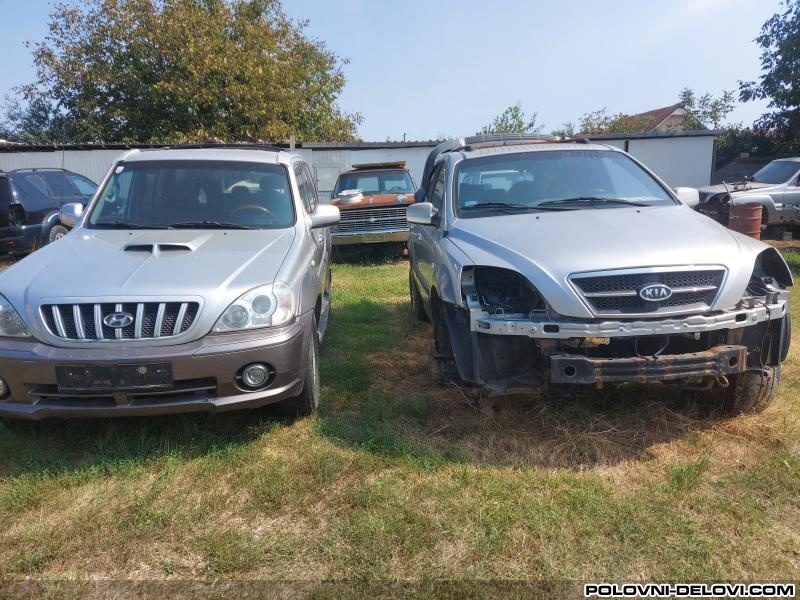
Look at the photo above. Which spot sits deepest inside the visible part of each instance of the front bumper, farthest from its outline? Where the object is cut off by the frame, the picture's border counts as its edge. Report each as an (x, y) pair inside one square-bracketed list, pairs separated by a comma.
[(714, 362), (377, 237), (204, 375), (482, 322)]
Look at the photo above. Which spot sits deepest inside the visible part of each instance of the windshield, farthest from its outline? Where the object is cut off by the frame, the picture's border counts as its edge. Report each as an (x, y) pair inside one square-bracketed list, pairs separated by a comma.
[(778, 171), (554, 180), (376, 182), (195, 194)]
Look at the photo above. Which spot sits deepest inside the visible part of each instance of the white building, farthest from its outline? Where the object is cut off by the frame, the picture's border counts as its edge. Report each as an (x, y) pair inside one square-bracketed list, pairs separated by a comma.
[(678, 157)]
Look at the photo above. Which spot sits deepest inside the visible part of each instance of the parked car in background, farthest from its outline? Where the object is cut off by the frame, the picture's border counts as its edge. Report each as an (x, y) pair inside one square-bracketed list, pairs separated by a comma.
[(373, 199), (199, 280), (29, 203), (776, 187), (544, 262)]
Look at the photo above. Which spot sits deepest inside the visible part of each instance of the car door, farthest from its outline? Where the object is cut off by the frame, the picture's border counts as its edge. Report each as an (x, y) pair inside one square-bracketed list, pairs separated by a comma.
[(34, 197), (320, 238), (425, 238)]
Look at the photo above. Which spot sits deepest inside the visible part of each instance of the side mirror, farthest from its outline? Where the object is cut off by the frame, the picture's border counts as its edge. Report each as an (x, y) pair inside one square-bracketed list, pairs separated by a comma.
[(423, 213), (689, 196), (71, 213), (325, 215)]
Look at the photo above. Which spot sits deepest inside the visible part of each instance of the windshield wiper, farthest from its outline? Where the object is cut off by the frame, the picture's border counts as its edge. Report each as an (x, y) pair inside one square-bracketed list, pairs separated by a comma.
[(593, 200), (510, 206), (208, 225), (125, 225)]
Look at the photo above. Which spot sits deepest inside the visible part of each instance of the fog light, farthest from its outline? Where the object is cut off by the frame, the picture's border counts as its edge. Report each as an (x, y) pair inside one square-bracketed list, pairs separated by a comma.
[(255, 375), (3, 388)]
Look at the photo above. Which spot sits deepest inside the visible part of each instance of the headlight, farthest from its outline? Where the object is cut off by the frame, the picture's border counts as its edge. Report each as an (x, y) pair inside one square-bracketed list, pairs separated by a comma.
[(265, 306), (11, 324)]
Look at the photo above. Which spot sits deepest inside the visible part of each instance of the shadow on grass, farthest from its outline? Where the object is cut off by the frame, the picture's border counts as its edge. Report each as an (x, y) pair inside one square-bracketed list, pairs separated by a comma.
[(370, 254), (115, 445), (379, 396)]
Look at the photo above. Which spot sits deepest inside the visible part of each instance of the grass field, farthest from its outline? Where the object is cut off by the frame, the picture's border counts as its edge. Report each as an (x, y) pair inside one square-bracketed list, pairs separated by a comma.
[(396, 480)]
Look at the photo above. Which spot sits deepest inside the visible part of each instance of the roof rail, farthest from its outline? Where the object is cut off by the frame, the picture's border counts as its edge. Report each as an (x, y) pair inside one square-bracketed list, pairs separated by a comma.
[(226, 145)]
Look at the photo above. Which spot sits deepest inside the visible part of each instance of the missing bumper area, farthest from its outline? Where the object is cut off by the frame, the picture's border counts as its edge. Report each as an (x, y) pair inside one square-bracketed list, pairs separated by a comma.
[(716, 361)]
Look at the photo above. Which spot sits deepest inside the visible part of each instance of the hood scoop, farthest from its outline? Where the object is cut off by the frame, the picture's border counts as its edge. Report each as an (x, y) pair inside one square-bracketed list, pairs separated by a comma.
[(158, 249)]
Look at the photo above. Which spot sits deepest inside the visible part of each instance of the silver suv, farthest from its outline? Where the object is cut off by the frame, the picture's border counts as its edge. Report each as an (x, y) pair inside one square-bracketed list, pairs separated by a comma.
[(197, 279), (545, 262)]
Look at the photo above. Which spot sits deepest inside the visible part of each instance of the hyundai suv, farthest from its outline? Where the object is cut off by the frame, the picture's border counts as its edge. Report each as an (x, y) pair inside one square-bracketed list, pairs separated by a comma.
[(197, 279), (546, 262)]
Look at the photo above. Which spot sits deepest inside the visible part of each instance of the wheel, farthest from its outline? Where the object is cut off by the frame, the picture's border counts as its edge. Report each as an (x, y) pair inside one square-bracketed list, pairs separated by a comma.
[(441, 362), (56, 233), (307, 401), (749, 392), (417, 307)]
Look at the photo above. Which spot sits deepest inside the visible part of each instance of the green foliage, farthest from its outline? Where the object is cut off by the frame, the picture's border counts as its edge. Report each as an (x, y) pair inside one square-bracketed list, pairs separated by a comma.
[(512, 120), (706, 110), (181, 70), (779, 82), (600, 121)]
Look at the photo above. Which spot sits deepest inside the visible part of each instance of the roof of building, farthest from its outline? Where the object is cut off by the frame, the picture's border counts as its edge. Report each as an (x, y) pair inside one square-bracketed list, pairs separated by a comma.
[(648, 121)]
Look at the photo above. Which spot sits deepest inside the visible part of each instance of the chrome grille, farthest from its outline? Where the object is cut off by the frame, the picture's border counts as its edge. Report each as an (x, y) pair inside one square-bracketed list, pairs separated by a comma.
[(151, 320), (617, 293), (372, 219)]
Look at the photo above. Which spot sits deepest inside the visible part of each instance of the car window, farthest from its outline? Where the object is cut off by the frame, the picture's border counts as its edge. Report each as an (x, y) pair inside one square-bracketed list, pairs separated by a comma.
[(778, 171), (195, 194), (307, 193), (86, 187), (437, 193), (570, 179), (59, 185), (376, 182), (314, 198), (31, 185)]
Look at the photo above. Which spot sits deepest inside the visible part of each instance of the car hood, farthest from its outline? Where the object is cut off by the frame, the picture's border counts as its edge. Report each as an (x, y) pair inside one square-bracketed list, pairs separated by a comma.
[(737, 189), (214, 266), (548, 247), (375, 200)]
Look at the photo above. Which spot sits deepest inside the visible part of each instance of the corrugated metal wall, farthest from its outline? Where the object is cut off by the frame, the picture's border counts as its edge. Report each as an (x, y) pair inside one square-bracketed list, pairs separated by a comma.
[(677, 160)]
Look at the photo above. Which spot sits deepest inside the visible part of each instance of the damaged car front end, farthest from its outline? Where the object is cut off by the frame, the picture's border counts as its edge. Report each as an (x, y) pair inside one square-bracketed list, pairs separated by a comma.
[(649, 291)]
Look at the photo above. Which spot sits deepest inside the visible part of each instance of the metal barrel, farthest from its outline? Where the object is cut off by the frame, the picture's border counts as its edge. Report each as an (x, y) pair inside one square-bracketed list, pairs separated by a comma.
[(746, 219)]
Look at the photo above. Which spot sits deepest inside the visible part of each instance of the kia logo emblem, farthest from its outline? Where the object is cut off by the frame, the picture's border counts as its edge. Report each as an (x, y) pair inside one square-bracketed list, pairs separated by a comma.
[(118, 320), (655, 292)]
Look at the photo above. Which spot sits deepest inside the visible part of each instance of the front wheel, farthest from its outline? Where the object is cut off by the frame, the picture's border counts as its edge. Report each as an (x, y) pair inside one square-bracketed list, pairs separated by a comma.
[(417, 308), (307, 400), (56, 233), (750, 392)]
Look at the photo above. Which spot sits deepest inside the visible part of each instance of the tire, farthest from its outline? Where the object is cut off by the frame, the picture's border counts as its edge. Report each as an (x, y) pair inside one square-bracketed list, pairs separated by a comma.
[(307, 400), (417, 307), (441, 362), (57, 231), (750, 392)]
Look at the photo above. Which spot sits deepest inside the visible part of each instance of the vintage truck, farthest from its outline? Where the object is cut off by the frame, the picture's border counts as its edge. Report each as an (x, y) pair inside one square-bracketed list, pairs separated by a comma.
[(372, 199)]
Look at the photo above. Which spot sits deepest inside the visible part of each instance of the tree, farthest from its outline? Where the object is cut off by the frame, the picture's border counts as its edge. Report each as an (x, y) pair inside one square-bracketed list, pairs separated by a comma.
[(600, 122), (706, 110), (779, 82), (512, 120), (185, 70)]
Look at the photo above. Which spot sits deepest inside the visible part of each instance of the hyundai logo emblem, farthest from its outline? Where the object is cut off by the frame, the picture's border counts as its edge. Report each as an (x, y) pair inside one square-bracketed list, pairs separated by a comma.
[(118, 320), (655, 292)]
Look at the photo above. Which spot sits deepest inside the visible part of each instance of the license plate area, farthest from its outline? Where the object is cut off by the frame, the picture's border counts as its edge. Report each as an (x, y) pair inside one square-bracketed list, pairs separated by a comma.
[(113, 377)]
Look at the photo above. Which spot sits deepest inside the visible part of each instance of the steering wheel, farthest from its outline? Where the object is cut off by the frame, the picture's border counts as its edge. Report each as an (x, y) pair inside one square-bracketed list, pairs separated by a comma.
[(255, 209), (397, 189)]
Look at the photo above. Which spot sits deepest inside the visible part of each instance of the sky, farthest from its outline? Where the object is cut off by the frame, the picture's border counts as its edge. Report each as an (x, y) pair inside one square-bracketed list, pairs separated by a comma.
[(425, 70)]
